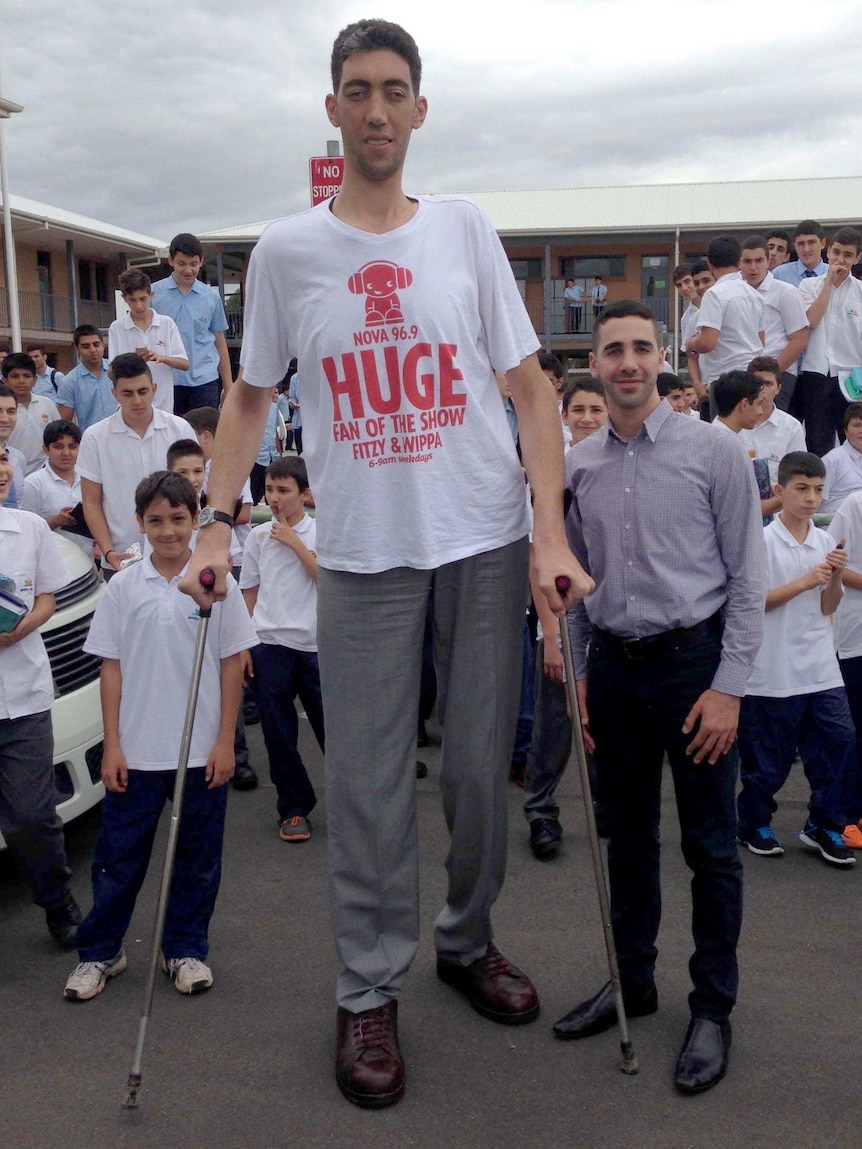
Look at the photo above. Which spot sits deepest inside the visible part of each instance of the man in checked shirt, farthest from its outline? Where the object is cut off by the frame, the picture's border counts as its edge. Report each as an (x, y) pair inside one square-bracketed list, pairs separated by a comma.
[(666, 519)]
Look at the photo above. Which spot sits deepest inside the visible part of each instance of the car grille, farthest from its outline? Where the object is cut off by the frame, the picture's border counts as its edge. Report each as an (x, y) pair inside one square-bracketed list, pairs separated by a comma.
[(75, 591), (70, 666)]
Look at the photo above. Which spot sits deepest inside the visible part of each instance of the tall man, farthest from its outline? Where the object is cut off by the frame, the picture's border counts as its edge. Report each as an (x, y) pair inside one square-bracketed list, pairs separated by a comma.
[(666, 518), (402, 308)]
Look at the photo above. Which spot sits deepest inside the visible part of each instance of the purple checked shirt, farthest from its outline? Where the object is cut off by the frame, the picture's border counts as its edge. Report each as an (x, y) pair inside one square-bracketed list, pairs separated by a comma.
[(669, 526)]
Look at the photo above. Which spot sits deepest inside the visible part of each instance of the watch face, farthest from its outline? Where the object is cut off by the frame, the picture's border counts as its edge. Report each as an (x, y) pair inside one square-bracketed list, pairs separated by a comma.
[(206, 517)]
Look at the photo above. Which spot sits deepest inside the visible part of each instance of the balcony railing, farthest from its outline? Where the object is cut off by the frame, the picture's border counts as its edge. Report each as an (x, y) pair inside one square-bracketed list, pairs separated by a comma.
[(55, 312)]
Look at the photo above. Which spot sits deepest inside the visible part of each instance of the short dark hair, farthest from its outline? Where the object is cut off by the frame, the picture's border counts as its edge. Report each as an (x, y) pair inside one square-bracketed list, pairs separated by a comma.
[(549, 362), (17, 361), (809, 227), (289, 467), (681, 271), (624, 309), (181, 448), (186, 244), (724, 251), (848, 236), (134, 280), (729, 390), (6, 393), (165, 485), (587, 383), (203, 419), (851, 411), (37, 347), (766, 364), (699, 266), (373, 36), (85, 329), (778, 233), (804, 463), (129, 365), (668, 382), (753, 243), (57, 428)]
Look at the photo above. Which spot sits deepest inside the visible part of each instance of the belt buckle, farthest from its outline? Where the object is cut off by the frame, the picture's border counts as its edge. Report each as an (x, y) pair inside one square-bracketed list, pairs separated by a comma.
[(634, 649)]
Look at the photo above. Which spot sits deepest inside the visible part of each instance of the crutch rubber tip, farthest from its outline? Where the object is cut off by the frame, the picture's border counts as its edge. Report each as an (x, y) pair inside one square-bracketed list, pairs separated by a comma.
[(630, 1062), (133, 1084)]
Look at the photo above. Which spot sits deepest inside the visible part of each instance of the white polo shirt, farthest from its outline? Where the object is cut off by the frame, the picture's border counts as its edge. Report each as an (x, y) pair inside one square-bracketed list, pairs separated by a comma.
[(736, 311), (47, 493), (163, 337), (777, 436), (150, 626), (31, 558), (688, 323), (835, 344), (112, 454), (843, 476), (286, 609), (847, 524), (32, 421), (797, 655), (784, 315)]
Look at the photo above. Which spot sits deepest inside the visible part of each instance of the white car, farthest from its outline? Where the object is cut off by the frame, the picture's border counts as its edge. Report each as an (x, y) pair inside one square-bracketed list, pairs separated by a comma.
[(77, 709)]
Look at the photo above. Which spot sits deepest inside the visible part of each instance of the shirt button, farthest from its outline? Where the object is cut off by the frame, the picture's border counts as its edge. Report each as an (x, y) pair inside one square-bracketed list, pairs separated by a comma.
[(631, 564), (628, 490), (632, 597), (631, 452), (628, 528)]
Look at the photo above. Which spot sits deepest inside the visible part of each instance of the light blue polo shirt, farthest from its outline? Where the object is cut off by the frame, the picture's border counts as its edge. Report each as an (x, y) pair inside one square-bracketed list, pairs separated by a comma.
[(199, 315), (89, 396)]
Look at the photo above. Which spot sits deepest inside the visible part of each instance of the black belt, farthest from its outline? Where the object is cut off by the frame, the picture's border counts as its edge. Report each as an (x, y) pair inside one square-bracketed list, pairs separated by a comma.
[(663, 643)]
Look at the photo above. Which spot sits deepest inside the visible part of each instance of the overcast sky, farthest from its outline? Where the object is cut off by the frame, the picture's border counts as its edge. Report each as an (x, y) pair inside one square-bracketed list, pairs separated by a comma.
[(196, 114)]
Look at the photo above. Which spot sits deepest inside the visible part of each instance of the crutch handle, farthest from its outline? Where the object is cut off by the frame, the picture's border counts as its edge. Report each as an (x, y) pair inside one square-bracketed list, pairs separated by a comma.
[(207, 580), (562, 583)]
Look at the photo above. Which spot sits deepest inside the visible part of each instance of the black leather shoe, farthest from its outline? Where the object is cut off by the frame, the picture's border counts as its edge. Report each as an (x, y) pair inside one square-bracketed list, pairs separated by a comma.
[(545, 837), (702, 1061), (63, 922), (599, 1013), (244, 777), (421, 769)]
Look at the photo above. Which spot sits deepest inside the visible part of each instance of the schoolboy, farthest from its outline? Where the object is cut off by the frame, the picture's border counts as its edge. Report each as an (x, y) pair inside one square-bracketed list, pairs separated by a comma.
[(834, 308), (670, 387), (86, 393), (279, 584), (795, 695), (8, 419), (54, 491), (778, 247), (702, 279), (844, 464), (585, 409), (156, 338), (199, 314), (32, 570), (145, 633), (116, 453), (48, 379), (690, 395), (683, 281), (205, 422), (777, 433), (35, 412), (737, 397), (808, 241)]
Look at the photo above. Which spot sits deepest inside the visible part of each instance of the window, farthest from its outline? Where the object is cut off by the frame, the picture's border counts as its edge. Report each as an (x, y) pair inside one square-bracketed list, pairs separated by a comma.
[(92, 280), (101, 282), (589, 266), (527, 268), (85, 279)]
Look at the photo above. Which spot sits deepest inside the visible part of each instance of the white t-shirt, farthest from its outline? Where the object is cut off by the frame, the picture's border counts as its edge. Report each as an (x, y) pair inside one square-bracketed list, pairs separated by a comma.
[(847, 524), (30, 557), (163, 337), (47, 493), (835, 344), (286, 610), (797, 655), (114, 455), (29, 429), (783, 315), (688, 323), (776, 437), (408, 449), (151, 627), (736, 311)]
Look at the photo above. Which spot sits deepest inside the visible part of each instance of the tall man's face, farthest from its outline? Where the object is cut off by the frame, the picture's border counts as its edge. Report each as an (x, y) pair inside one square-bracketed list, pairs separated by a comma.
[(627, 361), (377, 110)]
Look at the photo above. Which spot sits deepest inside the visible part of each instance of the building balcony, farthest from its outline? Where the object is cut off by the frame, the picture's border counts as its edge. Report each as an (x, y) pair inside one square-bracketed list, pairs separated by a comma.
[(55, 313)]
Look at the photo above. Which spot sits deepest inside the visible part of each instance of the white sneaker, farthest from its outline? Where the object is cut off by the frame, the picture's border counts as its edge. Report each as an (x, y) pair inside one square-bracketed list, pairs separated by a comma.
[(88, 979), (189, 975)]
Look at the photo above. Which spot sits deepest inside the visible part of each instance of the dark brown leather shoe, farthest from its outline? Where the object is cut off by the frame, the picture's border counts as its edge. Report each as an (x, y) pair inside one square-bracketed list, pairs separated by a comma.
[(368, 1065), (493, 986)]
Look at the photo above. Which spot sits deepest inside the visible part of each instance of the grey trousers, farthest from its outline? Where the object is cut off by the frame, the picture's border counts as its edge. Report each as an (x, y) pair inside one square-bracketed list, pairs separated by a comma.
[(28, 806), (550, 748), (370, 631)]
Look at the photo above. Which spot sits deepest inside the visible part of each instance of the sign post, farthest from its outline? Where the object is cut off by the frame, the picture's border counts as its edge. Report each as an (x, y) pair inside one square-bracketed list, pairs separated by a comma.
[(325, 174)]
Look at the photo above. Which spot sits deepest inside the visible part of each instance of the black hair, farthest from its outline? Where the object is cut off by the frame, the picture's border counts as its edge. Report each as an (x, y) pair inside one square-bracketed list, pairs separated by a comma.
[(766, 364), (289, 467), (165, 485), (7, 393), (57, 428), (804, 463), (203, 419), (681, 271), (372, 36), (85, 329), (186, 244), (668, 382), (588, 384), (778, 233), (129, 365), (181, 448), (851, 411), (753, 243), (809, 227), (17, 361), (729, 390), (37, 347), (847, 237), (624, 309), (724, 251), (700, 266), (549, 362), (134, 279)]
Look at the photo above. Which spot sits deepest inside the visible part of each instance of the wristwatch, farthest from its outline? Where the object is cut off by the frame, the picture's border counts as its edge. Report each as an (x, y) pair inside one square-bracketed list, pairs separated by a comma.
[(209, 515)]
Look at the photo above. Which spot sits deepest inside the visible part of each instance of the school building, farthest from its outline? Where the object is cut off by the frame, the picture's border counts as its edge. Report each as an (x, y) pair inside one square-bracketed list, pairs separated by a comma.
[(67, 268), (631, 237)]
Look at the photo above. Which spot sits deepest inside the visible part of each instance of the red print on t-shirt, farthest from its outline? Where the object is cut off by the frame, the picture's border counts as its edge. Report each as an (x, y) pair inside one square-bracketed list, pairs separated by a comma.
[(378, 281)]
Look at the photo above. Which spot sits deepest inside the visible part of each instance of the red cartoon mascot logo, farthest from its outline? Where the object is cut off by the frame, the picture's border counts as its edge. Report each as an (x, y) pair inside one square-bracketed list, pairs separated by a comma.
[(378, 281)]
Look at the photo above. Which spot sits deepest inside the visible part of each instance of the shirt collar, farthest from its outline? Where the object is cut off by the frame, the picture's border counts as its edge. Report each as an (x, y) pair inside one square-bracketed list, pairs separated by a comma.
[(650, 427), (129, 323), (119, 426), (786, 537), (854, 455), (9, 520), (174, 286), (150, 572), (86, 370)]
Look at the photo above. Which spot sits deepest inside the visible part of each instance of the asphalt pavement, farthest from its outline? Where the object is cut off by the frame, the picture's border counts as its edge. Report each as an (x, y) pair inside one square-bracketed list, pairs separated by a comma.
[(250, 1064)]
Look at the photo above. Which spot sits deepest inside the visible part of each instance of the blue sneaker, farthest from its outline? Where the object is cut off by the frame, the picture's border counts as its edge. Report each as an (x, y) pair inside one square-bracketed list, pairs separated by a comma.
[(829, 843), (762, 842)]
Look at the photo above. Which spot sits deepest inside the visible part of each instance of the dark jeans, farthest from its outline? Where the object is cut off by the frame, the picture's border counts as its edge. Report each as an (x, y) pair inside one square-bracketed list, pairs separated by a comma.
[(28, 806), (770, 729), (823, 407), (637, 709), (297, 439), (122, 855), (851, 672), (188, 398), (280, 674), (257, 482), (784, 398)]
